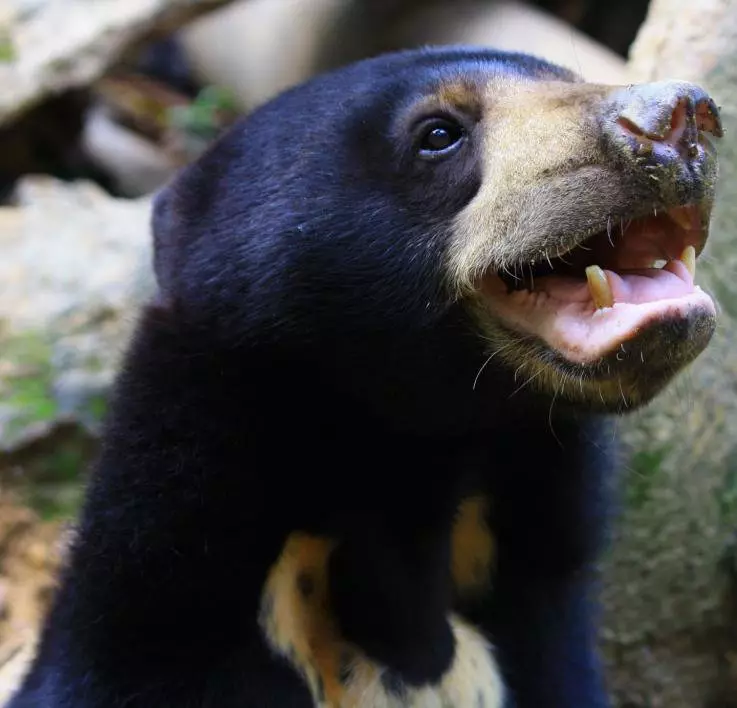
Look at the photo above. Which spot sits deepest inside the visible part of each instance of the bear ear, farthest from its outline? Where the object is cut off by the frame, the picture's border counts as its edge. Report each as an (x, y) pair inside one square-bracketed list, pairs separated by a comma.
[(165, 227)]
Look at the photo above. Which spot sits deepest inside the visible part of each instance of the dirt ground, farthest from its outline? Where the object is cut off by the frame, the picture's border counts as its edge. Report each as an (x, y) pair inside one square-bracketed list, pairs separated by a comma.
[(30, 554)]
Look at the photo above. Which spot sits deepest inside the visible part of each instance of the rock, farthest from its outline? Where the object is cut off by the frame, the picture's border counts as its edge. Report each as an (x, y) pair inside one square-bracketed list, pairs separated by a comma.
[(14, 665), (258, 47), (514, 26), (136, 166), (76, 266), (669, 580), (48, 46)]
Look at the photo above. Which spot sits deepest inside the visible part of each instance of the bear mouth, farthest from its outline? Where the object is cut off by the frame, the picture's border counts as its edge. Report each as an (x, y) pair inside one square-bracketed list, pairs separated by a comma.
[(587, 302)]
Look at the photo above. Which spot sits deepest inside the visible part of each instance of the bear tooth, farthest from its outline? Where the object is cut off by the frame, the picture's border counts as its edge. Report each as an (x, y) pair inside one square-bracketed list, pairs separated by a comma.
[(601, 291), (688, 258)]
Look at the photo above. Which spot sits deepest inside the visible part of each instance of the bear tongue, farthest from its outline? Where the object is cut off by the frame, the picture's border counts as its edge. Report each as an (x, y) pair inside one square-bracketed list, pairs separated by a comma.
[(603, 288), (675, 279)]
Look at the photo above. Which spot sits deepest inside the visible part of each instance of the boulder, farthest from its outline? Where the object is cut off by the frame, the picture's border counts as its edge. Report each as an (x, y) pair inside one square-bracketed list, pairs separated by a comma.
[(76, 264), (49, 46), (669, 581)]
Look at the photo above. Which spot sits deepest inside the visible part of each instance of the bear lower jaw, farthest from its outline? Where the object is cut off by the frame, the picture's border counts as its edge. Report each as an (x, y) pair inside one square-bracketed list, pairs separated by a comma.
[(661, 343)]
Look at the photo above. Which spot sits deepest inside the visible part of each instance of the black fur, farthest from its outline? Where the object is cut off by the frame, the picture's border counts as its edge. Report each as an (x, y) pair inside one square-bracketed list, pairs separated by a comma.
[(304, 368)]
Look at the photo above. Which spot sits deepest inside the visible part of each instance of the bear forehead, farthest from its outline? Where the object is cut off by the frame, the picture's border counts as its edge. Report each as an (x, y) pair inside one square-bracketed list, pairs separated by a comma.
[(465, 79), (373, 88), (443, 62)]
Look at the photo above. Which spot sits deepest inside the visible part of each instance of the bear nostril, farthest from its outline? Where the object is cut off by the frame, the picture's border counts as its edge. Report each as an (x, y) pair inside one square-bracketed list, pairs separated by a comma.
[(685, 121), (680, 121), (666, 116), (673, 132), (707, 118)]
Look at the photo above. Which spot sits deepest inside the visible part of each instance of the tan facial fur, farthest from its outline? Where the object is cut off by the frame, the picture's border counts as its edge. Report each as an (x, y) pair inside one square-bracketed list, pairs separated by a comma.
[(296, 621), (539, 151)]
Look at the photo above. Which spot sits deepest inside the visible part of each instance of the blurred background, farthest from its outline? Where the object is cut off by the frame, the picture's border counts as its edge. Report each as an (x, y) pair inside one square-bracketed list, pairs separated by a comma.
[(102, 100)]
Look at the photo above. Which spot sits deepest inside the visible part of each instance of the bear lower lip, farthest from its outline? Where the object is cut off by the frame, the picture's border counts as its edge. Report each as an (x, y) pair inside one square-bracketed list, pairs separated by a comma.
[(579, 331)]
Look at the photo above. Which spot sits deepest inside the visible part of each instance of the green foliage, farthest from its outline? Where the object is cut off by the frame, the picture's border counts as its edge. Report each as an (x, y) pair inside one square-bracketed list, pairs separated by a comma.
[(27, 390), (95, 408), (56, 490), (53, 477), (53, 502), (7, 49), (204, 116), (645, 470), (726, 494)]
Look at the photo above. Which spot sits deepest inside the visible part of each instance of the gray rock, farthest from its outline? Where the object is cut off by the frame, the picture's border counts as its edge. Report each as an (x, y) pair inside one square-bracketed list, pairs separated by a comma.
[(669, 581), (47, 46), (76, 266), (260, 47)]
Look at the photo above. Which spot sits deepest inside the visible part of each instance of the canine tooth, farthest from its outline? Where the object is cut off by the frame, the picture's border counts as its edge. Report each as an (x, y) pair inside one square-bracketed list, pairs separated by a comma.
[(601, 291), (688, 258)]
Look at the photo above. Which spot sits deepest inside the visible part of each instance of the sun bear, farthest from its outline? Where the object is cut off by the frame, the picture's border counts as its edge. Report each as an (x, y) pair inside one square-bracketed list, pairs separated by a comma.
[(358, 454)]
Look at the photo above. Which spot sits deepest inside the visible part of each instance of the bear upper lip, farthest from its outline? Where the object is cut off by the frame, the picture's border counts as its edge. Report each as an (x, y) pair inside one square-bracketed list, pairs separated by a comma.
[(622, 245), (587, 301)]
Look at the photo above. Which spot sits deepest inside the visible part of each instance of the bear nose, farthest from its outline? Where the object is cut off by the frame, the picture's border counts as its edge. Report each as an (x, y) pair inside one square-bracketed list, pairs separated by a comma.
[(663, 119)]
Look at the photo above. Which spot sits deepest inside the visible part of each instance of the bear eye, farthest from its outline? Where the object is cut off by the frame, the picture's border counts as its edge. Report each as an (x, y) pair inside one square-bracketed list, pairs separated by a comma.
[(440, 138)]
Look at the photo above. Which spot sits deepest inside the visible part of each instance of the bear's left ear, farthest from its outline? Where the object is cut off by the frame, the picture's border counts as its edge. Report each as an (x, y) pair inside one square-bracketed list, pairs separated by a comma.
[(166, 229)]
